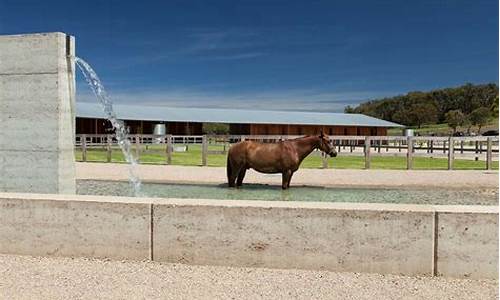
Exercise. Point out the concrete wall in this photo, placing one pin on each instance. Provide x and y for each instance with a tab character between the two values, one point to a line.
466	245
37	113
48	226
452	241
304	238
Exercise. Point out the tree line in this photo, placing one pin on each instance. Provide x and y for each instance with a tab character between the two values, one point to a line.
468	104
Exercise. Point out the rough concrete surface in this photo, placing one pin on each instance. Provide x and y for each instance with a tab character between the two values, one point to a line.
354	237
36	113
317	177
467	245
74	228
395	242
25	277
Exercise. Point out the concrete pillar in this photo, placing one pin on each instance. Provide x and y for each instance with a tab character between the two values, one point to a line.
37	113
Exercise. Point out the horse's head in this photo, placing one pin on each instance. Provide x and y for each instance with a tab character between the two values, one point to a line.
326	146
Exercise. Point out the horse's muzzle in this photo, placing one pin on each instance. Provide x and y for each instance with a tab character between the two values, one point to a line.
333	154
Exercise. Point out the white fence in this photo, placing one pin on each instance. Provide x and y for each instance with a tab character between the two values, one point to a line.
475	148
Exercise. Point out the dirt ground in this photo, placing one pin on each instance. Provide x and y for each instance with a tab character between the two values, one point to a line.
25	277
317	177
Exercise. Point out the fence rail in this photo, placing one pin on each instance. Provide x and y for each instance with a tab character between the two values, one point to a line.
480	147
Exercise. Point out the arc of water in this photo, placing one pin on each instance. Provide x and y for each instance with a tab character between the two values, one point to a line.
121	132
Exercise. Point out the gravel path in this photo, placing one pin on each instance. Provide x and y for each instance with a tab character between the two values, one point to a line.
25	277
322	177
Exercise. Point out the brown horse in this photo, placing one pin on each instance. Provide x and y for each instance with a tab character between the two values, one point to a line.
283	157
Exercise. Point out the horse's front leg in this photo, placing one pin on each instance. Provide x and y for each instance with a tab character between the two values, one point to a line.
285	180
289	180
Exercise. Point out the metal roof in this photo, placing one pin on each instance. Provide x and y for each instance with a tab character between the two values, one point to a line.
238	116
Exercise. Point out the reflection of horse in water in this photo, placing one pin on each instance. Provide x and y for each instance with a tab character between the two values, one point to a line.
283	157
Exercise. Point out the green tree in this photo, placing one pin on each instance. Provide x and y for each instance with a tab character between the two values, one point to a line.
455	118
349	110
494	108
423	113
215	128
465	98
479	117
417	115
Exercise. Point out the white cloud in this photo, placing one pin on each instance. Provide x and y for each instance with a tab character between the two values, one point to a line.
305	100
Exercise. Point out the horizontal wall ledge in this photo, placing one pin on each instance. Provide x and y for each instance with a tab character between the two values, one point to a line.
258	203
453	241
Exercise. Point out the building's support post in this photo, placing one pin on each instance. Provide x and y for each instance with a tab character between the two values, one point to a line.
83	141
409	153
169	149
108	148
204	150
367	152
489	152
451	152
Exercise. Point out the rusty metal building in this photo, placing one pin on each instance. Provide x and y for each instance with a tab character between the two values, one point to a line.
141	119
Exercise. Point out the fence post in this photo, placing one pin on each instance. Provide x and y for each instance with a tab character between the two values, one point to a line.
169	149
367	152
409	153
451	152
324	160
489	152
137	147
108	156
83	140
204	150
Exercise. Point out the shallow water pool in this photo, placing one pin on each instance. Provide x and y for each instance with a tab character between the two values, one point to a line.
295	193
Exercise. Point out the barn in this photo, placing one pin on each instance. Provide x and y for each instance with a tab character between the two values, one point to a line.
141	119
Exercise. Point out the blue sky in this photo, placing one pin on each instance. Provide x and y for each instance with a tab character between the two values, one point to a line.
305	55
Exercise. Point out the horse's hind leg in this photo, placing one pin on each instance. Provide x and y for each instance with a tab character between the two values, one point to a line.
241	175
232	175
285	182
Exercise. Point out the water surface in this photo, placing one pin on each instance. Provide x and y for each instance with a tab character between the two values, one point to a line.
295	193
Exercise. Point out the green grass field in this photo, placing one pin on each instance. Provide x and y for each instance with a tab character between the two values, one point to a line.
443	129
155	154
